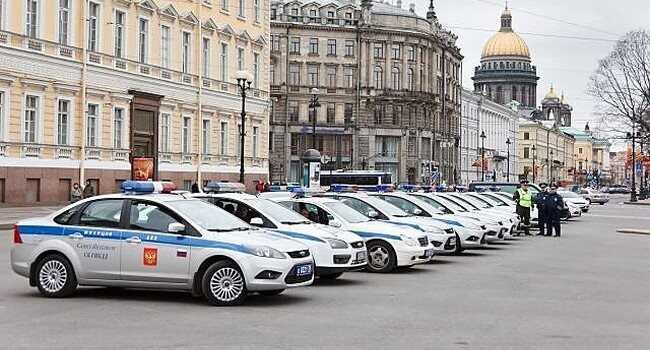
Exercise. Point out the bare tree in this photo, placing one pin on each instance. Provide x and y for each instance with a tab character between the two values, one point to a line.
622	84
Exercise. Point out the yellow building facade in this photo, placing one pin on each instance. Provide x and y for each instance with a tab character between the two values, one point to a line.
86	85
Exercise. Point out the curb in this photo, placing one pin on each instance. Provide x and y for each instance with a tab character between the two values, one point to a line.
6	226
636	203
634	231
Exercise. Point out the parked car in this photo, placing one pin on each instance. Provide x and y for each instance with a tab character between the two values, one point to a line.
510	187
593	196
573	198
614	189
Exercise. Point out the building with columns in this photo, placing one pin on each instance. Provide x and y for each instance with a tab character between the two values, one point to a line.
591	155
85	86
506	72
388	85
546	153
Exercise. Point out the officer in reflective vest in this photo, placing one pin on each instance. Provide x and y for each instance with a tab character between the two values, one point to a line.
524	200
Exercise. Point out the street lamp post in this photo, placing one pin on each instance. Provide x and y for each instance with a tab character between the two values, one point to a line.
550	168
313	104
575	168
244	82
483	155
534	156
642	191
632	135
508	142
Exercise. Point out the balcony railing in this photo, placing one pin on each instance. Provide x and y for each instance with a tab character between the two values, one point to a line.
3	150
31	151
93	153
64	152
121	155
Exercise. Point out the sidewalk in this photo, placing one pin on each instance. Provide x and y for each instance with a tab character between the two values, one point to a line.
640	202
9	216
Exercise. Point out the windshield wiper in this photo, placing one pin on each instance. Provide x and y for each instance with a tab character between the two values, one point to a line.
295	222
230	229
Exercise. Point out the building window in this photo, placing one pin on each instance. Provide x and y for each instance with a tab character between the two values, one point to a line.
348	77
242	5
164	132
2	14
143	39
396	78
31	118
206	57
347	114
378	51
256	69
224	5
224	62
92	125
256	135
118	122
256	10
93	28
293	111
410	81
580	150
205	147
331	47
119	33
380	113
164	46
294	74
378	78
187	128
410	53
526	136
294	48
331	77
313	46
62	122
312	75
223	147
64	21
396	52
526	152
331	113
2	109
349	48
240	58
271	141
274	14
397	113
275	42
187	42
31	26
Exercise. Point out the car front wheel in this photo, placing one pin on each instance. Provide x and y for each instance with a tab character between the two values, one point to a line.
55	276
223	284
381	257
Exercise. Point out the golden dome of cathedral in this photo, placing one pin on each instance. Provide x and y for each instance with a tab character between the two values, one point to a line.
506	42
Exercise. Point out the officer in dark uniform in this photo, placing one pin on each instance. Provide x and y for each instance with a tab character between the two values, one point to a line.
540	200
554	205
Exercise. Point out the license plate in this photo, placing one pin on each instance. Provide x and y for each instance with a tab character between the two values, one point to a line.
303	270
428	252
361	256
452	240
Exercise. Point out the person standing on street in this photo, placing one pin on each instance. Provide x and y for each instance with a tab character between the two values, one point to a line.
89	190
554	205
540	200
76	193
524	200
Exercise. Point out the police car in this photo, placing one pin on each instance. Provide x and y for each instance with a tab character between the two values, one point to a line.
504	200
441	235
469	233
389	245
504	220
334	250
145	238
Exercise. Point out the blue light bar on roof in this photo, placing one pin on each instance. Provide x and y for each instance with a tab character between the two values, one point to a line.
144	187
343	188
224	187
408	187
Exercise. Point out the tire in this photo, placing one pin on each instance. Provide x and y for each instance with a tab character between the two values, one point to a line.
271	293
459	246
223	284
55	277
331	276
381	257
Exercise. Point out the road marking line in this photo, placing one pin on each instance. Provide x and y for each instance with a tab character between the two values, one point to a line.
618	217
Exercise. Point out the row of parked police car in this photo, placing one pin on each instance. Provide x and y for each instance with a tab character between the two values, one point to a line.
223	244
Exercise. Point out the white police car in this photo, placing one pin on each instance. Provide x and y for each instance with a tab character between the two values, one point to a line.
163	241
389	245
469	233
503	220
334	250
375	208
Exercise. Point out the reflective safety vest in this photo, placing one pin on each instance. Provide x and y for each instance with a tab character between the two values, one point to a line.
525	198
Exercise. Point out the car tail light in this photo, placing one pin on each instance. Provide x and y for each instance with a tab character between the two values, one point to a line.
17	238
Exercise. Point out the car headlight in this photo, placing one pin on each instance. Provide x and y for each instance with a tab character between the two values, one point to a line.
336	243
267	252
409	240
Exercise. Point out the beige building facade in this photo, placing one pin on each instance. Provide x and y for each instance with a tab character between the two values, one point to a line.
546	150
87	85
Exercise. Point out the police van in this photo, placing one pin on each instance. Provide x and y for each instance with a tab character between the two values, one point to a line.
148	238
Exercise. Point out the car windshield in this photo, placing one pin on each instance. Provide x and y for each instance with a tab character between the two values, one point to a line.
494	199
277	211
463	200
506	196
567	194
478	200
343	210
385	207
208	216
451	204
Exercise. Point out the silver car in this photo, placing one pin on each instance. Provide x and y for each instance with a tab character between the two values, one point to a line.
160	241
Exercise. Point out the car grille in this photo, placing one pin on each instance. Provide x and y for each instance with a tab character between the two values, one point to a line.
292	278
298	254
436	243
358	244
342	259
424	241
449	245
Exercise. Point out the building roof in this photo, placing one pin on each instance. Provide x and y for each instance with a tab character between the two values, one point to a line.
506	42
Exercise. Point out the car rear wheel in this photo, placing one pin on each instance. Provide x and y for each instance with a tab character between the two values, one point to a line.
271	293
459	246
223	284
55	277
381	257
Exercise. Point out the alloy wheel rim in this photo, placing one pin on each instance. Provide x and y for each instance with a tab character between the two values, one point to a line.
378	257
226	284
53	276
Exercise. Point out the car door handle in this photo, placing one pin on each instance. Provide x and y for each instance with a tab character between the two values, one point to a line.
76	236
134	240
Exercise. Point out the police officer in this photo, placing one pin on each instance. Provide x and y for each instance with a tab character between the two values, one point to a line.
524	200
540	200
554	205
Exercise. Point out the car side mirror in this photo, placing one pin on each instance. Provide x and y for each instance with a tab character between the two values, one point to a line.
176	227
335	223
373	214
257	222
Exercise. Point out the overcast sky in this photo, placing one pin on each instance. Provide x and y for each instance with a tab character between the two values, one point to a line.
565	63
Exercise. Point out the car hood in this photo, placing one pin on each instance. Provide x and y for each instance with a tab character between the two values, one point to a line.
384	228
256	238
422	223
316	232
